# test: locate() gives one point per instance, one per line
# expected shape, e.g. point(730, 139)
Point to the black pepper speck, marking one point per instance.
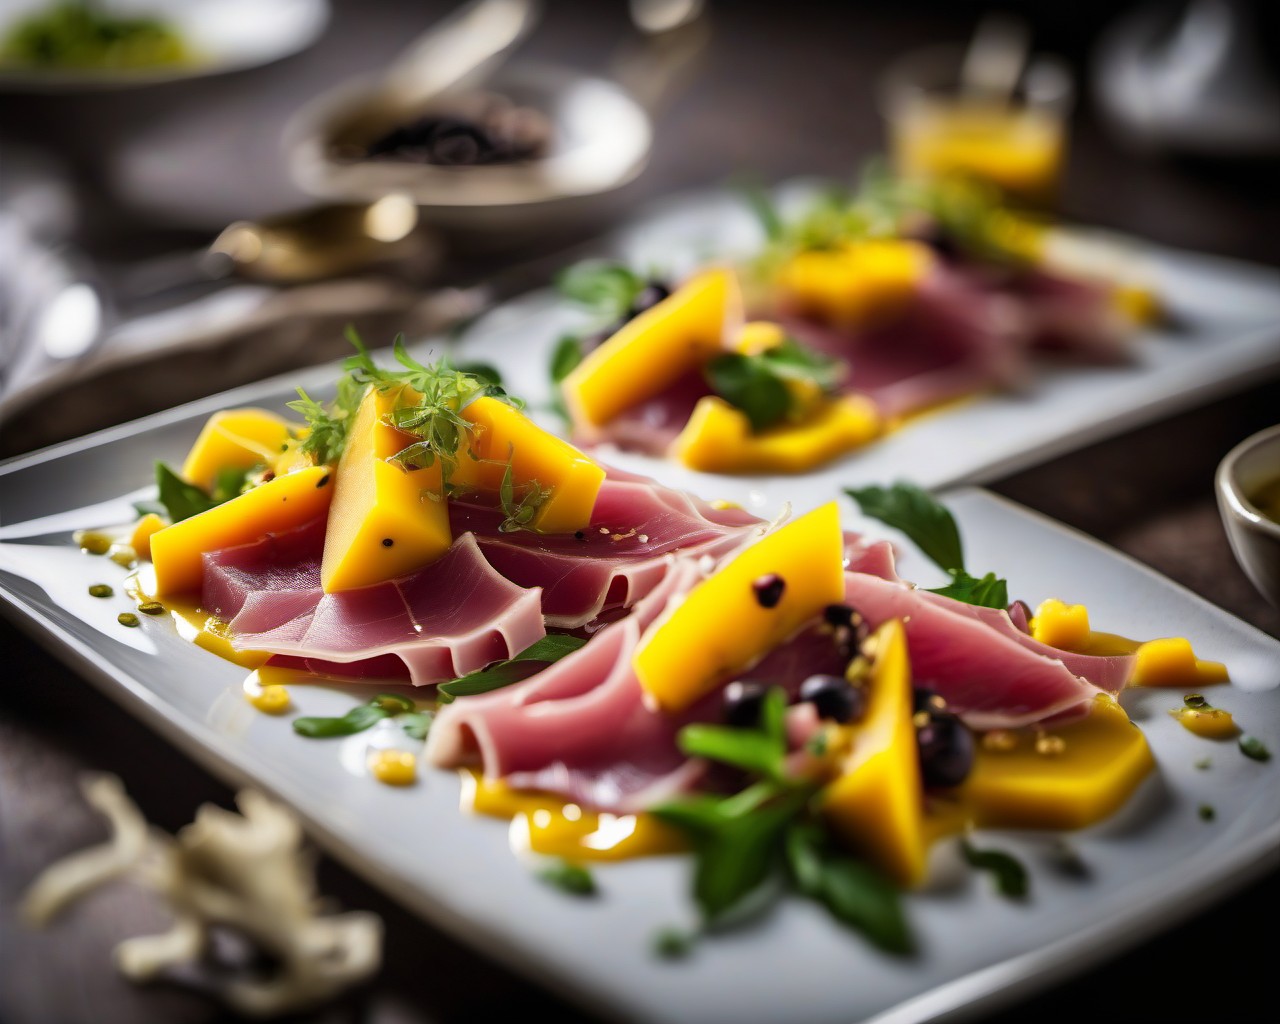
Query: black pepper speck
point(768, 590)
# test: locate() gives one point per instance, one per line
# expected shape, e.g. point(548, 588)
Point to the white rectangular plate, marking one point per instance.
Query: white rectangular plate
point(795, 964)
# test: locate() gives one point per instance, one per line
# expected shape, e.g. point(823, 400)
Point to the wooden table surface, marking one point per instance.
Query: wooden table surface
point(783, 98)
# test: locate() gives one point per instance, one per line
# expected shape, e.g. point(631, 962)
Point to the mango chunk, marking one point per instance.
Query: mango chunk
point(876, 805)
point(283, 503)
point(1172, 662)
point(730, 620)
point(857, 283)
point(386, 521)
point(1069, 777)
point(235, 439)
point(146, 527)
point(655, 349)
point(718, 438)
point(502, 434)
point(1061, 625)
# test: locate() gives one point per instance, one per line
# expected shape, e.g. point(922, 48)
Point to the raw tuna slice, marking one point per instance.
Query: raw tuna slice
point(636, 527)
point(992, 676)
point(583, 729)
point(454, 617)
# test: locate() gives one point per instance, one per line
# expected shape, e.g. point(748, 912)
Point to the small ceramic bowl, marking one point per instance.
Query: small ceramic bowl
point(1255, 539)
point(600, 140)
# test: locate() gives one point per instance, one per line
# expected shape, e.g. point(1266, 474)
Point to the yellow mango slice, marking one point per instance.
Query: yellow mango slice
point(146, 527)
point(876, 804)
point(1061, 625)
point(502, 434)
point(718, 438)
point(1172, 662)
point(281, 504)
point(856, 284)
point(1069, 777)
point(235, 439)
point(655, 349)
point(723, 626)
point(385, 521)
point(1209, 723)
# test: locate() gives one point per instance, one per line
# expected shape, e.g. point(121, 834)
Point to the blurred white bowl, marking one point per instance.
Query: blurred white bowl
point(600, 140)
point(1255, 538)
point(223, 35)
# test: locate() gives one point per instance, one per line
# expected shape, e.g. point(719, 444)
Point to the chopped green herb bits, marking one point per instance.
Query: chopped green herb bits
point(568, 877)
point(1008, 873)
point(1254, 748)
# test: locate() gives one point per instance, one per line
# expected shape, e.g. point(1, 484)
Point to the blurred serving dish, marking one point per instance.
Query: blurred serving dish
point(570, 136)
point(52, 48)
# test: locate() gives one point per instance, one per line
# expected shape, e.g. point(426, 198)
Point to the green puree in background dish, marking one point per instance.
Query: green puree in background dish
point(80, 34)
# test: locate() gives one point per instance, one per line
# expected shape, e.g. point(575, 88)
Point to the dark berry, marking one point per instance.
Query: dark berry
point(652, 293)
point(946, 751)
point(834, 697)
point(742, 704)
point(768, 590)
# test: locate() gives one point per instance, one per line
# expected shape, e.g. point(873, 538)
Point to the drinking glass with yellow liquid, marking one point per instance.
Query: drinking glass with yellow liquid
point(941, 125)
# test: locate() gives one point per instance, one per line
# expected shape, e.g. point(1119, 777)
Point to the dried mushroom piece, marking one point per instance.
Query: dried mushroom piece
point(246, 873)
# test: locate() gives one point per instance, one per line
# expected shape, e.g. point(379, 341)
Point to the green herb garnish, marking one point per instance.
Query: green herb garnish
point(549, 649)
point(565, 358)
point(1008, 873)
point(569, 877)
point(327, 425)
point(1253, 747)
point(743, 841)
point(757, 384)
point(606, 289)
point(416, 724)
point(673, 943)
point(358, 719)
point(854, 893)
point(932, 528)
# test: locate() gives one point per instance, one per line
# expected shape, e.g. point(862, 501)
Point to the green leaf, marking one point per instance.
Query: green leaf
point(481, 371)
point(180, 499)
point(1008, 873)
point(988, 592)
point(607, 289)
point(356, 720)
point(568, 877)
point(565, 357)
point(925, 521)
point(748, 384)
point(793, 361)
point(416, 724)
point(853, 892)
point(748, 749)
point(550, 648)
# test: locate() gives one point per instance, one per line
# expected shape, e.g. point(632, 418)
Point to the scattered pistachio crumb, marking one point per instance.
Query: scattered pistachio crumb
point(101, 590)
point(1253, 747)
point(93, 542)
point(1207, 813)
point(128, 619)
point(999, 741)
point(151, 608)
point(673, 943)
point(1204, 764)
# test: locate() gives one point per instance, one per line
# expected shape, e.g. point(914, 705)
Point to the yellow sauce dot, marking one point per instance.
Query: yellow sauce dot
point(1211, 723)
point(394, 767)
point(273, 699)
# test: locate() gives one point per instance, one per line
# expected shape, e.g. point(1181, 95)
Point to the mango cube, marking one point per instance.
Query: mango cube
point(856, 284)
point(1172, 662)
point(235, 439)
point(386, 521)
point(503, 434)
point(718, 438)
point(1065, 626)
point(724, 624)
point(876, 804)
point(283, 503)
point(652, 352)
point(1087, 771)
